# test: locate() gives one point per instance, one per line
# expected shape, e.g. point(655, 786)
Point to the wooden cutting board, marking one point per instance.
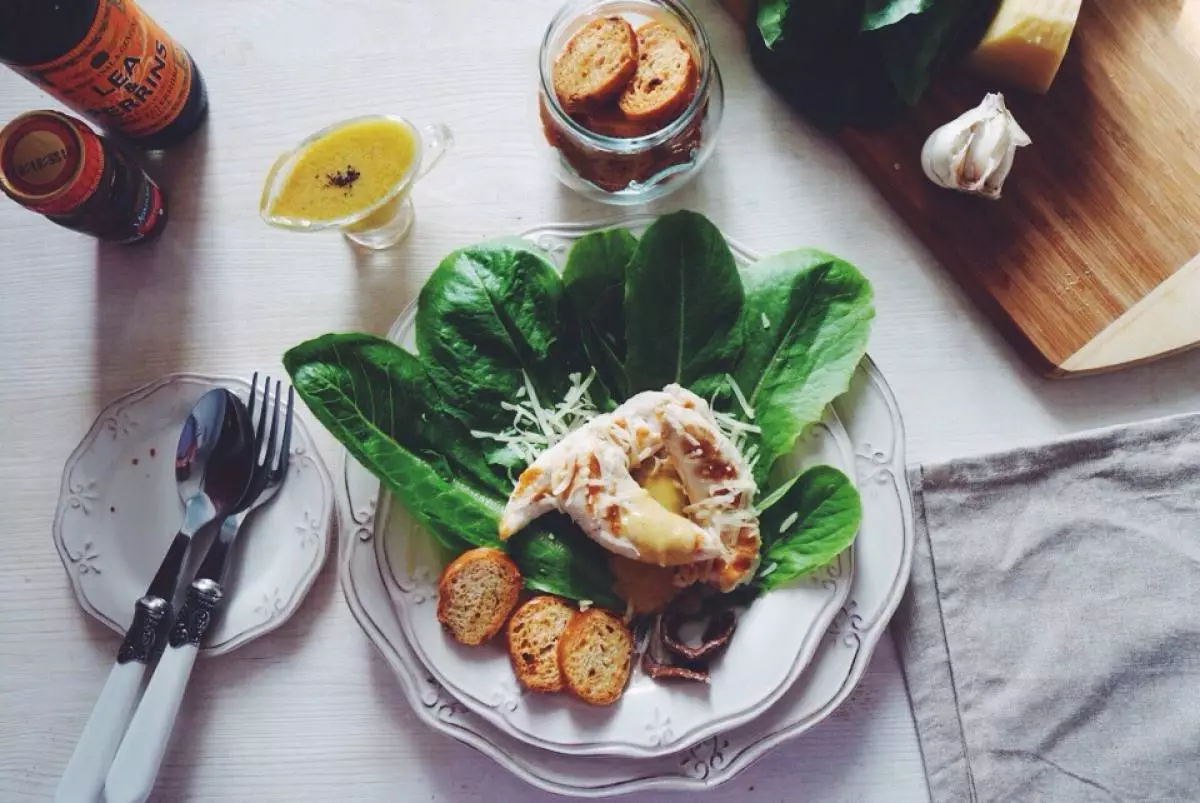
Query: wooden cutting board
point(1090, 261)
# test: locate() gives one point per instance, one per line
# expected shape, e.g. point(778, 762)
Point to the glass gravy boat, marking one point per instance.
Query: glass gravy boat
point(381, 223)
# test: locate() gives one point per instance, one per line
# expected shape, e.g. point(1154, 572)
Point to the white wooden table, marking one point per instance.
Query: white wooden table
point(311, 712)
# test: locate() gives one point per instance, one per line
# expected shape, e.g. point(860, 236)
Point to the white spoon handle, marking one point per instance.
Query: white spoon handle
point(135, 768)
point(83, 780)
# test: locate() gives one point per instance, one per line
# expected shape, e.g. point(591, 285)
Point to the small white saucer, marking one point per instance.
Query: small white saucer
point(119, 509)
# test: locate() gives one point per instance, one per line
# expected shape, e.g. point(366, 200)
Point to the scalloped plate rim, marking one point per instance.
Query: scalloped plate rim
point(804, 652)
point(139, 394)
point(734, 767)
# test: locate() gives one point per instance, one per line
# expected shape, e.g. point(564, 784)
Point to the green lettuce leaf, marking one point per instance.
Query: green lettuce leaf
point(821, 510)
point(375, 399)
point(683, 300)
point(806, 316)
point(489, 316)
point(913, 45)
point(858, 61)
point(769, 19)
point(882, 13)
point(556, 557)
point(594, 279)
point(820, 62)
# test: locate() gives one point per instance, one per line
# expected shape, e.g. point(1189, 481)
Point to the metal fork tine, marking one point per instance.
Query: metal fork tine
point(253, 393)
point(268, 459)
point(285, 450)
point(260, 428)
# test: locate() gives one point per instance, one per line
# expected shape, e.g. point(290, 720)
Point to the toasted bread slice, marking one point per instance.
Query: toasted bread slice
point(533, 632)
point(476, 593)
point(594, 656)
point(610, 122)
point(665, 79)
point(596, 63)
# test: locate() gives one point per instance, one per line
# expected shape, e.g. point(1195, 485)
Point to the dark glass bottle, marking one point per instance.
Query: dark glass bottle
point(110, 62)
point(56, 165)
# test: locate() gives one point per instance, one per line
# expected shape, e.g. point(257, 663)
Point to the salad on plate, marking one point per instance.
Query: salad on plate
point(601, 456)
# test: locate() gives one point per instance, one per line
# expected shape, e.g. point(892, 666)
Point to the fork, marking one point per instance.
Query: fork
point(133, 771)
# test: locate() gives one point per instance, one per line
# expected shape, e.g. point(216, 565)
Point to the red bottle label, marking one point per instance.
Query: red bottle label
point(150, 209)
point(127, 74)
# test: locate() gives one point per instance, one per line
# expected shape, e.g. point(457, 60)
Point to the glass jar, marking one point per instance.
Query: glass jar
point(648, 164)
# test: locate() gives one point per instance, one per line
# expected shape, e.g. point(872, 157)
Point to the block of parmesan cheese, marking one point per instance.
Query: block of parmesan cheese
point(1026, 42)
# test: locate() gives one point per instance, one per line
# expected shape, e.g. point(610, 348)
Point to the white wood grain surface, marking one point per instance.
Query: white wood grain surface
point(310, 712)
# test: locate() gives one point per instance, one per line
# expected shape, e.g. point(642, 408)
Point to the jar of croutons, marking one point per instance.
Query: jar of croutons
point(630, 97)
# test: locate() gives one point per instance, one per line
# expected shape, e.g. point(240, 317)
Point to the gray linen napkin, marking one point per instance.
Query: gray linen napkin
point(1050, 636)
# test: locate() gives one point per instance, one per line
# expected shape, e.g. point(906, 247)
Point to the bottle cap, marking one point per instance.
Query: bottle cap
point(49, 162)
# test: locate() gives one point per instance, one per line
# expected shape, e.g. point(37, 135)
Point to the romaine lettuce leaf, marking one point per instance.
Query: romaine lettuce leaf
point(857, 61)
point(594, 278)
point(375, 398)
point(769, 19)
point(882, 13)
point(683, 299)
point(489, 316)
point(806, 317)
point(810, 525)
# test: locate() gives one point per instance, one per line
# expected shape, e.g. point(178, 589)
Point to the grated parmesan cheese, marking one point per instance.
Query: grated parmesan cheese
point(737, 430)
point(766, 322)
point(739, 433)
point(535, 427)
point(747, 410)
point(731, 424)
point(788, 522)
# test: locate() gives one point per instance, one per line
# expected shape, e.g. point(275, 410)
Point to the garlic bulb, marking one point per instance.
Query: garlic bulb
point(974, 152)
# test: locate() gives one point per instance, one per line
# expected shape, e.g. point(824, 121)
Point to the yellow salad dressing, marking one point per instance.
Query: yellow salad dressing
point(345, 171)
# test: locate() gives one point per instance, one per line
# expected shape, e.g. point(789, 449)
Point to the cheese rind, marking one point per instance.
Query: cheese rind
point(1026, 42)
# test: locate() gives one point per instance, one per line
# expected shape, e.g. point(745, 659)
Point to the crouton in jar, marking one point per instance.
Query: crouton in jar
point(629, 99)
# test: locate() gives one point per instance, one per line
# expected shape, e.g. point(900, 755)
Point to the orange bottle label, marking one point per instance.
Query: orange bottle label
point(49, 162)
point(127, 74)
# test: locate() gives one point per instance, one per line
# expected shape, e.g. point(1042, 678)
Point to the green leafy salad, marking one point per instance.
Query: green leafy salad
point(511, 357)
point(856, 61)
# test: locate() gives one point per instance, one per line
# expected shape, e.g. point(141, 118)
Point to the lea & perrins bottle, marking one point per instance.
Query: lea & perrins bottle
point(56, 165)
point(110, 62)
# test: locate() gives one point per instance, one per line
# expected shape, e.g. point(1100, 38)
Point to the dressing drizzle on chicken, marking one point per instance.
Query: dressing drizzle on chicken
point(588, 475)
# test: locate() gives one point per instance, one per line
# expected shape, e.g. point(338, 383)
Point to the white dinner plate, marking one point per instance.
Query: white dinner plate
point(883, 554)
point(775, 639)
point(879, 463)
point(119, 508)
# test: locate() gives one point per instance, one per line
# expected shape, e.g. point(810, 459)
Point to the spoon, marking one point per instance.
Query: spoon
point(214, 462)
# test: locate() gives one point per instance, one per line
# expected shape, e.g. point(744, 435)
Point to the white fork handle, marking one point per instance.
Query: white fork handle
point(133, 771)
point(83, 780)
